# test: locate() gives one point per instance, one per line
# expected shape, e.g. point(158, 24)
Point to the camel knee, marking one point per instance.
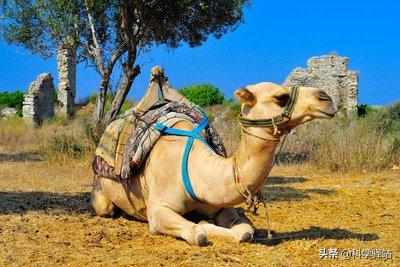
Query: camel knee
point(101, 203)
point(159, 220)
point(154, 226)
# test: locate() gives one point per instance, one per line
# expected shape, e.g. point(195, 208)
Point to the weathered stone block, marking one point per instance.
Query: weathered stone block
point(329, 73)
point(39, 101)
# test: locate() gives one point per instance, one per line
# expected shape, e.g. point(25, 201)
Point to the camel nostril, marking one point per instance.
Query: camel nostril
point(323, 96)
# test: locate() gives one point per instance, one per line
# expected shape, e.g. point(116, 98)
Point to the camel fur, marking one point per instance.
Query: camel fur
point(156, 194)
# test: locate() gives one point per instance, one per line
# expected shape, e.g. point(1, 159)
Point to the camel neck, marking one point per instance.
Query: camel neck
point(216, 185)
point(254, 159)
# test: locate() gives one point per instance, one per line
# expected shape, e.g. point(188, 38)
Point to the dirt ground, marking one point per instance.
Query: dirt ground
point(45, 219)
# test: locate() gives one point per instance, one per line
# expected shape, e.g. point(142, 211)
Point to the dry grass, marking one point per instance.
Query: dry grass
point(225, 122)
point(351, 144)
point(45, 219)
point(54, 139)
point(342, 144)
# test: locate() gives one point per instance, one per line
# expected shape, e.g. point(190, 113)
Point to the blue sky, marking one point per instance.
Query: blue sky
point(276, 37)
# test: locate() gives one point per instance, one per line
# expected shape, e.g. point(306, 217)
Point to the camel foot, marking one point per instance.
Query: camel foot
point(201, 239)
point(246, 237)
point(243, 231)
point(197, 237)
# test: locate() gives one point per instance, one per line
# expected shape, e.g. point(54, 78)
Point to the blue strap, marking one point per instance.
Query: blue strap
point(194, 134)
point(185, 170)
point(172, 131)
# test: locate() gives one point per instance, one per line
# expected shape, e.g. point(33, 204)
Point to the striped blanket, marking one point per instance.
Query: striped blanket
point(127, 141)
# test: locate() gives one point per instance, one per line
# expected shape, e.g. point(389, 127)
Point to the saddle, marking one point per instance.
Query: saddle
point(126, 142)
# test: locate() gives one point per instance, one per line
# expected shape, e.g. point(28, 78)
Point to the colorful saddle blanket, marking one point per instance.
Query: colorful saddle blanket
point(126, 142)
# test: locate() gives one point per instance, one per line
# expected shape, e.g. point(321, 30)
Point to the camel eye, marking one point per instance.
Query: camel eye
point(282, 99)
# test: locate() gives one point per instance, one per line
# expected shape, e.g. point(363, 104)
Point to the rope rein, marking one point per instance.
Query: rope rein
point(259, 137)
point(253, 201)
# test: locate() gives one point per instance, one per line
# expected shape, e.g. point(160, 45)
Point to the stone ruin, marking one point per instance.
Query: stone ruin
point(39, 101)
point(66, 64)
point(329, 73)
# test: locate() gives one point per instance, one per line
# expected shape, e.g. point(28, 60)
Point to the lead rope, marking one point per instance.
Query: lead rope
point(253, 201)
point(263, 200)
point(276, 130)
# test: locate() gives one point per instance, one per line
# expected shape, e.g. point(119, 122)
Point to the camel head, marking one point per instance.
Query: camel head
point(265, 104)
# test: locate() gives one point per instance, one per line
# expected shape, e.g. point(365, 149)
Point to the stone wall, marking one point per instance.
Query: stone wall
point(66, 63)
point(7, 112)
point(39, 101)
point(329, 73)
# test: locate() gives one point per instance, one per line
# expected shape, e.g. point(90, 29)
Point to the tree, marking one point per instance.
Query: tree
point(40, 26)
point(111, 31)
point(45, 27)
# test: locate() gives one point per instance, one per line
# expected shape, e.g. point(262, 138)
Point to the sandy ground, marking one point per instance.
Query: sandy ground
point(45, 219)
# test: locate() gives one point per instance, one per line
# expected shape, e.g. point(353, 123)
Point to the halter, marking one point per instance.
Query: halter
point(276, 120)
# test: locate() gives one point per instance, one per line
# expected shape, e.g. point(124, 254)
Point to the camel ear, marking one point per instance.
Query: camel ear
point(245, 96)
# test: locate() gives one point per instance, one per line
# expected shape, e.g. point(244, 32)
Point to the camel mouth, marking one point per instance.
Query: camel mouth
point(327, 114)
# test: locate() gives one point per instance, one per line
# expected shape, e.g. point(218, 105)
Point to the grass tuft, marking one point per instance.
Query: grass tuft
point(66, 145)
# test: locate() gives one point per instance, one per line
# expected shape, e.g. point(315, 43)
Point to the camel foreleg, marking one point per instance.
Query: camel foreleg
point(229, 223)
point(164, 220)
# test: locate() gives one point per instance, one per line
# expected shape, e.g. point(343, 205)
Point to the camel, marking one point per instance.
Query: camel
point(157, 195)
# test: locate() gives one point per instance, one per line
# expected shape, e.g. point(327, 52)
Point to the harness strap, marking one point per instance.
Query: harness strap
point(193, 134)
point(277, 120)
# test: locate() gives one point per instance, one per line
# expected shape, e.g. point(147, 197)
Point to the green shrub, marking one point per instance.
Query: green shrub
point(93, 98)
point(93, 131)
point(202, 94)
point(67, 145)
point(385, 119)
point(12, 100)
point(233, 106)
point(365, 109)
point(394, 111)
point(57, 120)
point(126, 105)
